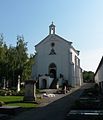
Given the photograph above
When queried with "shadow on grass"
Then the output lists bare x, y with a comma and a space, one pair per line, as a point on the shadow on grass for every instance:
16, 107
21, 101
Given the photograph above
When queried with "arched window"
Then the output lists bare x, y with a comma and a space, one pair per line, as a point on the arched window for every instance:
52, 70
52, 65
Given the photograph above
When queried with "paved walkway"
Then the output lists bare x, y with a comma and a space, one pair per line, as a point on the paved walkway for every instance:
56, 110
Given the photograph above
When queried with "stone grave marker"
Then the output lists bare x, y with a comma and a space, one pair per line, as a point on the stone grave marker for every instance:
30, 91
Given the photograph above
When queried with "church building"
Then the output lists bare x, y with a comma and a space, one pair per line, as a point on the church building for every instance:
56, 61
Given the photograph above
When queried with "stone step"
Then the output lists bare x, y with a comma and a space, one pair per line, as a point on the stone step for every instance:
85, 115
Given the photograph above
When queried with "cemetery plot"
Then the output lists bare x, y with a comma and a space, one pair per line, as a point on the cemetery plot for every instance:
85, 115
16, 101
88, 107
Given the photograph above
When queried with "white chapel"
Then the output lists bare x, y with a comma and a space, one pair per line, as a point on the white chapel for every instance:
56, 61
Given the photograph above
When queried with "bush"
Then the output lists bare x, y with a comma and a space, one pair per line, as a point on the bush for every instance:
5, 92
2, 92
1, 103
38, 91
12, 92
20, 93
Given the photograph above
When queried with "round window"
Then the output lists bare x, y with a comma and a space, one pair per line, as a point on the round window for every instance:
52, 44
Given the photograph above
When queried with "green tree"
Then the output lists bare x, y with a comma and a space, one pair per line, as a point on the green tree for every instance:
22, 56
88, 76
28, 67
14, 61
5, 61
3, 58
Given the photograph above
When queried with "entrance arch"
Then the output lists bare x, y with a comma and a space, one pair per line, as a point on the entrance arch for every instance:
52, 70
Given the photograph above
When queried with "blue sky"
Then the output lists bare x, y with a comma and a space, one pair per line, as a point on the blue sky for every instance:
79, 21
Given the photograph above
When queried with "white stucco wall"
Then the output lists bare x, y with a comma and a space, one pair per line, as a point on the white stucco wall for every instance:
48, 81
99, 74
75, 65
61, 59
66, 58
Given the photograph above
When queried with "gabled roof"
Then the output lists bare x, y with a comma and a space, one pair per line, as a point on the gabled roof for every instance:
52, 34
101, 62
49, 36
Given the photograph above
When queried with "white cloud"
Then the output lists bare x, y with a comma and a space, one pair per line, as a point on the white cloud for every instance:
90, 59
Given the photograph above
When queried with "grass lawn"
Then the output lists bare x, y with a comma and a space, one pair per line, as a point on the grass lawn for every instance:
16, 101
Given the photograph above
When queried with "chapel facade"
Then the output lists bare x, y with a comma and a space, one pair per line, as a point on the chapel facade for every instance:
56, 61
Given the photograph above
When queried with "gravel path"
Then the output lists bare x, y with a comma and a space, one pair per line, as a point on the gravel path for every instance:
55, 109
47, 100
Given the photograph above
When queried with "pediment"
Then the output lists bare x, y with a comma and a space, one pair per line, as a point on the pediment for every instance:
53, 38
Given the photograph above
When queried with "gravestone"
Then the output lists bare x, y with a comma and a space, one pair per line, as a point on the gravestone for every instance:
18, 85
30, 91
57, 86
4, 83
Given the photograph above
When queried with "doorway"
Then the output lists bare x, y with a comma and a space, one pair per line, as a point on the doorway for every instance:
44, 83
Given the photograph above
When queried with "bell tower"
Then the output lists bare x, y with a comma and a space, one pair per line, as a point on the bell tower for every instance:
52, 29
